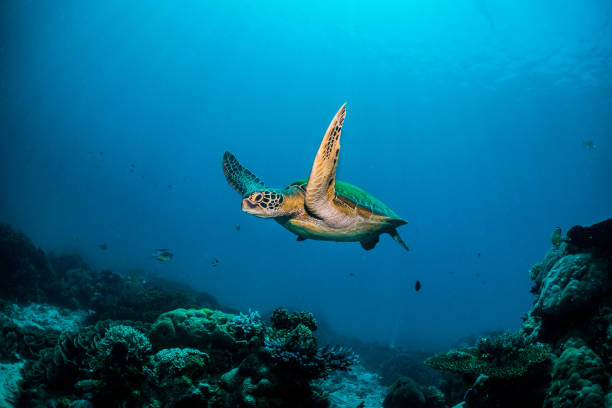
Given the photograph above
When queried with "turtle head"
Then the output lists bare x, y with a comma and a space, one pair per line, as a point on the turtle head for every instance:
264, 203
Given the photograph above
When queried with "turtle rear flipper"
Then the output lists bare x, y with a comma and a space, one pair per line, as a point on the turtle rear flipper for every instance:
370, 242
396, 237
320, 190
239, 177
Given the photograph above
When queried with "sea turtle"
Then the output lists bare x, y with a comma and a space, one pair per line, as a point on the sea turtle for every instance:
319, 207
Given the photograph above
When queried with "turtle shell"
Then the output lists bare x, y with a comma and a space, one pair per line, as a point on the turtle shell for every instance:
356, 195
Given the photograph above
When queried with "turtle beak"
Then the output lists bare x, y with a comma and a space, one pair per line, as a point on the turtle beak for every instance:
253, 209
247, 205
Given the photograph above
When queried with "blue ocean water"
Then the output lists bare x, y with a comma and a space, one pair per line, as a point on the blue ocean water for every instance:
468, 118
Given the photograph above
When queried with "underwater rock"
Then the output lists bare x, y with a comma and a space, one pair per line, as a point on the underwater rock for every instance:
10, 375
29, 275
47, 318
25, 331
403, 364
231, 380
597, 237
406, 393
22, 264
80, 404
477, 396
350, 389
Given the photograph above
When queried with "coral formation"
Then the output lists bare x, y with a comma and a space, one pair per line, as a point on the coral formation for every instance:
145, 345
293, 347
30, 275
357, 387
504, 357
132, 343
194, 358
597, 237
571, 318
406, 393
579, 378
10, 375
24, 331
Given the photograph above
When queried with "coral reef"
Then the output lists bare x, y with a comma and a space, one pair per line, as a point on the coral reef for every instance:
30, 275
143, 344
597, 237
10, 375
24, 331
579, 378
493, 358
147, 345
188, 357
571, 321
292, 347
357, 387
406, 393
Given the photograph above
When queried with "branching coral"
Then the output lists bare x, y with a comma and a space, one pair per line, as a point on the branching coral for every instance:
245, 326
297, 350
282, 320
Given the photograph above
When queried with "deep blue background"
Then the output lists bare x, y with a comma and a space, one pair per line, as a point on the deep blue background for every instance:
467, 117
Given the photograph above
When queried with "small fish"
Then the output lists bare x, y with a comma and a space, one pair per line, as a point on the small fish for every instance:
214, 262
237, 227
361, 405
163, 255
132, 168
352, 274
556, 236
478, 276
589, 144
103, 246
417, 286
478, 254
170, 186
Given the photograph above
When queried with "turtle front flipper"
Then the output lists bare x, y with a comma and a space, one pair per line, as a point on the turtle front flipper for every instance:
320, 190
240, 178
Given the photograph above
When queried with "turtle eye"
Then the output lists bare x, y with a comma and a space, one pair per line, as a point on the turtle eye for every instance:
256, 197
